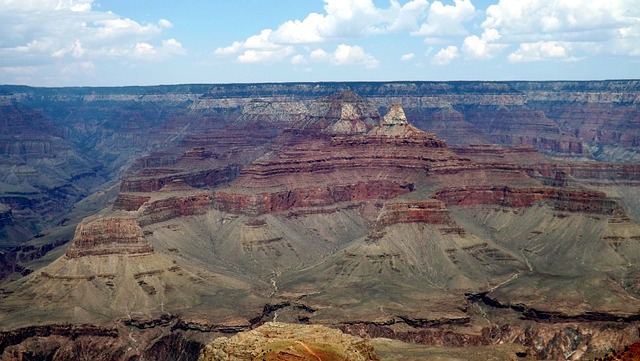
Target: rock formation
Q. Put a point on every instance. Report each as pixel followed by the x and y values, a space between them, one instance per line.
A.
pixel 105 236
pixel 251 203
pixel 279 341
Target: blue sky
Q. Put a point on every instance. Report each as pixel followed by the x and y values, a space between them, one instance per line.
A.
pixel 145 42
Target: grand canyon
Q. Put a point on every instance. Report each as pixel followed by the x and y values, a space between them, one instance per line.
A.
pixel 383 220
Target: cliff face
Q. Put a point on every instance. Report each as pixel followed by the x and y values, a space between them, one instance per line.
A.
pixel 59 144
pixel 105 236
pixel 303 203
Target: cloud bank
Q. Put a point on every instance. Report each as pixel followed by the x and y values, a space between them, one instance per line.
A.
pixel 514 30
pixel 68 37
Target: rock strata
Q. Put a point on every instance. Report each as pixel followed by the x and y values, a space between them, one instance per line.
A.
pixel 107 236
pixel 571 200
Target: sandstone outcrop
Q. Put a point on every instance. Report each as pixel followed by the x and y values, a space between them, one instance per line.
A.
pixel 175 206
pixel 280 201
pixel 425 212
pixel 108 235
pixel 571 200
pixel 279 341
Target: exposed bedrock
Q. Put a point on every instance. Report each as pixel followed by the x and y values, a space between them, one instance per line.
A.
pixel 543 341
pixel 591 172
pixel 175 206
pixel 130 201
pixel 426 212
pixel 572 200
pixel 279 201
pixel 108 235
pixel 289 342
pixel 154 179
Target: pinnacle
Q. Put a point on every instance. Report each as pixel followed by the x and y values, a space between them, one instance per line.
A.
pixel 395 116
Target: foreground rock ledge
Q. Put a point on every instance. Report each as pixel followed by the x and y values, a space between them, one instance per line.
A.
pixel 283 341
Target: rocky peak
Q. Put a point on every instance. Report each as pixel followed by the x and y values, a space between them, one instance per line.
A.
pixel 348 112
pixel 395 116
pixel 350 121
pixel 341 113
pixel 395 124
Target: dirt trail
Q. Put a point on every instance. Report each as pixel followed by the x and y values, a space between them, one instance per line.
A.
pixel 309 350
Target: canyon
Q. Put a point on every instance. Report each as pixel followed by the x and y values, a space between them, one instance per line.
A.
pixel 150 221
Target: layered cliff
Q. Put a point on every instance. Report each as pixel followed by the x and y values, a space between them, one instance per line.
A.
pixel 105 236
pixel 65 141
pixel 290 202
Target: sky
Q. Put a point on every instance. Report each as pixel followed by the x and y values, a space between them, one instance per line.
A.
pixel 148 42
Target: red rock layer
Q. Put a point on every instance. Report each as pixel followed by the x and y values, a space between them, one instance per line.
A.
pixel 571 200
pixel 154 179
pixel 280 201
pixel 518 126
pixel 174 207
pixel 105 236
pixel 417 152
pixel 429 212
pixel 129 202
pixel 602 172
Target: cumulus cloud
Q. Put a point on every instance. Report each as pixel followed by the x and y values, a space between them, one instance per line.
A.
pixel 42 33
pixel 265 55
pixel 318 54
pixel 543 27
pixel 542 50
pixel 343 55
pixel 445 55
pixel 538 18
pixel 407 57
pixel 342 19
pixel 353 55
pixel 298 59
pixel 447 20
pixel 482 47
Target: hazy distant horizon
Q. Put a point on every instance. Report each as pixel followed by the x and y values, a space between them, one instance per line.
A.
pixel 60 43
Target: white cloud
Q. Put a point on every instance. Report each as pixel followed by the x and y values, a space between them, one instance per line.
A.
pixel 81 7
pixel 481 47
pixel 345 55
pixel 164 23
pixel 542 50
pixel 229 50
pixel 298 59
pixel 447 20
pixel 407 57
pixel 353 55
pixel 305 31
pixel 445 55
pixel 342 19
pixel 261 41
pixel 318 54
pixel 143 50
pixel 537 18
pixel 173 47
pixel 51 32
pixel 266 55
pixel 613 26
pixel 626 41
